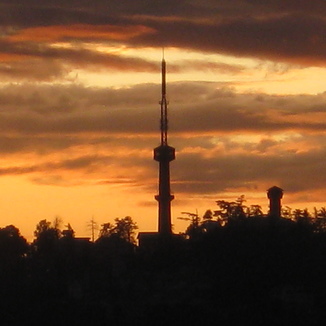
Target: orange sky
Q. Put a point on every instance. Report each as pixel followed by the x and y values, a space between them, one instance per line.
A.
pixel 79 113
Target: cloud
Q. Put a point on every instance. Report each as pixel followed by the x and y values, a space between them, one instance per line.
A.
pixel 30 54
pixel 45 61
pixel 79 32
pixel 82 162
pixel 193 65
pixel 32 70
pixel 286 31
pixel 195 108
pixel 296 39
pixel 224 140
pixel 294 172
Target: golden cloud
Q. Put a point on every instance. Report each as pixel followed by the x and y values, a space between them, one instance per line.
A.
pixel 80 31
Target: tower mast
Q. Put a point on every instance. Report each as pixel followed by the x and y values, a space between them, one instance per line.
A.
pixel 164 154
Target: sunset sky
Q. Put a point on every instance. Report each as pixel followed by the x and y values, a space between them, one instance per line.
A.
pixel 79 112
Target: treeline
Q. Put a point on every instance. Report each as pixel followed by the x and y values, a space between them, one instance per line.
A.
pixel 235 212
pixel 61 279
pixel 231 265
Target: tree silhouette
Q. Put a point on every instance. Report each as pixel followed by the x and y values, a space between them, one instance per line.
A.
pixel 106 230
pixel 92 226
pixel 254 210
pixel 124 228
pixel 193 230
pixel 320 219
pixel 200 226
pixel 46 237
pixel 12 244
pixel 231 212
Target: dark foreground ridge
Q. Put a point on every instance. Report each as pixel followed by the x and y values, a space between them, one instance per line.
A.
pixel 247 269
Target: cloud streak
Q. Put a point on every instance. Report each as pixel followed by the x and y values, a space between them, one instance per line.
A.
pixel 119 128
pixel 196 107
pixel 279 31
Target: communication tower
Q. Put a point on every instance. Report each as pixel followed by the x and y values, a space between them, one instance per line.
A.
pixel 164 154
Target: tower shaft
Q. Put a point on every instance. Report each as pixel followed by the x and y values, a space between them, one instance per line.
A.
pixel 164 154
pixel 275 194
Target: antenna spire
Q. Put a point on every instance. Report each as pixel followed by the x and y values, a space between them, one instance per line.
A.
pixel 164 107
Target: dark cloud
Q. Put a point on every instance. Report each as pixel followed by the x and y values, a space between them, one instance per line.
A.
pixel 208 172
pixel 195 108
pixel 317 7
pixel 22 14
pixel 191 65
pixel 294 172
pixel 86 163
pixel 118 128
pixel 33 70
pixel 287 31
pixel 297 39
pixel 42 62
pixel 48 11
pixel 18 144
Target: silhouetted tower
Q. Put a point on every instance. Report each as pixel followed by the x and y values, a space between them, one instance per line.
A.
pixel 164 154
pixel 275 195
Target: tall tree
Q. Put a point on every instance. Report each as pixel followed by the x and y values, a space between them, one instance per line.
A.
pixel 123 228
pixel 231 212
pixel 92 226
pixel 12 244
pixel 46 237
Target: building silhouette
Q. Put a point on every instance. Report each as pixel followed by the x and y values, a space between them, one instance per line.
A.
pixel 275 194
